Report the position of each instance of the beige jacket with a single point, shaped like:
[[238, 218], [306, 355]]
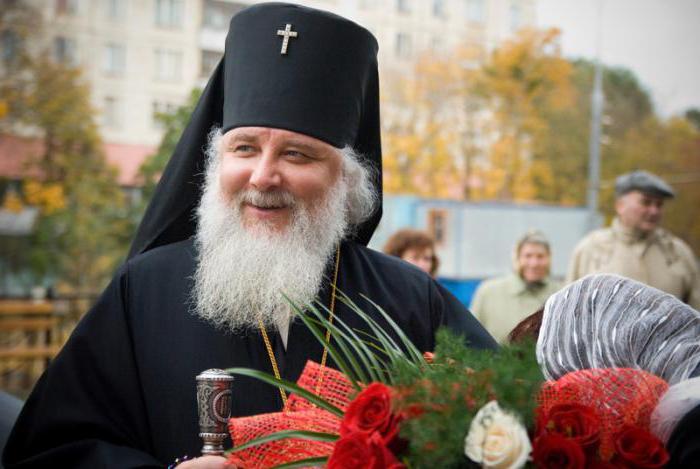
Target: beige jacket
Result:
[[501, 303], [660, 259]]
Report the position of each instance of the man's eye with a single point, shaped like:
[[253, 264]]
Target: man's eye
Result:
[[297, 154], [242, 148]]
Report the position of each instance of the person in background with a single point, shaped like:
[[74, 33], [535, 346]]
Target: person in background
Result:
[[501, 303], [416, 247], [635, 246]]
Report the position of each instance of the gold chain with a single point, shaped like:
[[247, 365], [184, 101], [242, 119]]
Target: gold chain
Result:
[[324, 357], [271, 354]]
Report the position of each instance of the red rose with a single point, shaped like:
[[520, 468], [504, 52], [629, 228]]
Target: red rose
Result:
[[597, 464], [371, 412], [575, 421], [636, 447], [362, 451], [557, 451]]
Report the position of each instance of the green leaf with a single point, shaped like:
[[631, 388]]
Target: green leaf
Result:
[[368, 359], [289, 386], [417, 355], [393, 353], [337, 358], [344, 344], [304, 463], [284, 434]]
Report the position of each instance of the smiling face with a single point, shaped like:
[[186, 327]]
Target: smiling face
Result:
[[421, 258], [533, 262], [268, 171]]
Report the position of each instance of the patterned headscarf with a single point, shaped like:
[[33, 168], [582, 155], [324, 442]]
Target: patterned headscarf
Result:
[[608, 321]]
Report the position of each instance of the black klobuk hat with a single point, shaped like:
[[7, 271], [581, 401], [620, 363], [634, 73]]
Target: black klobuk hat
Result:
[[285, 66]]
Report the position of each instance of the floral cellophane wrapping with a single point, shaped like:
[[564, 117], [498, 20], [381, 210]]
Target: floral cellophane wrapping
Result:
[[299, 414], [619, 397]]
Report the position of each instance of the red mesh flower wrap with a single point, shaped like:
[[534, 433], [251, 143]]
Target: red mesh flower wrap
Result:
[[595, 405], [299, 414]]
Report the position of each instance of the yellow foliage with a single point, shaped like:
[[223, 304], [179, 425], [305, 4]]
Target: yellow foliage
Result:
[[49, 197], [467, 121], [12, 202], [519, 81]]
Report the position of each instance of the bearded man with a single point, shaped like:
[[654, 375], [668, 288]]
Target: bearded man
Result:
[[283, 201]]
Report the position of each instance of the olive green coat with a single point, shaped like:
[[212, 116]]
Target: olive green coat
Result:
[[501, 303]]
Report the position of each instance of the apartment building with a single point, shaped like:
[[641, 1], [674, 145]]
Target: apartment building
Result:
[[142, 57]]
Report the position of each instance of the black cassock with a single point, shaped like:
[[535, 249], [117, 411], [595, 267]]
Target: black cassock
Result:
[[122, 391]]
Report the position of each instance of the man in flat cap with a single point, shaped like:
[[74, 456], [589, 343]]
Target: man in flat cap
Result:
[[635, 246], [282, 200]]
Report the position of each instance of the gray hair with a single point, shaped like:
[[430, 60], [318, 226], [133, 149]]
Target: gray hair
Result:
[[362, 198], [532, 237]]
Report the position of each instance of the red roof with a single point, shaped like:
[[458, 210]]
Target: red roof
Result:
[[16, 152], [15, 155], [127, 159]]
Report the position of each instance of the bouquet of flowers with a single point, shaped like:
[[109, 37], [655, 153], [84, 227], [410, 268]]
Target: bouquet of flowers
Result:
[[390, 406]]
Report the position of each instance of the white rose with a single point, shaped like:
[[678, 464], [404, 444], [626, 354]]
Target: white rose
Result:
[[497, 439]]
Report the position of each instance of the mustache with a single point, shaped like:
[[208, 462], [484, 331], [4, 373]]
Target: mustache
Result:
[[272, 199]]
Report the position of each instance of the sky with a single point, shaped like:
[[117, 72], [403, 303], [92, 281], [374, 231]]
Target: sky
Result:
[[659, 40]]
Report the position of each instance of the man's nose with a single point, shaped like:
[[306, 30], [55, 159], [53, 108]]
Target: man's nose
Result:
[[655, 210], [266, 174]]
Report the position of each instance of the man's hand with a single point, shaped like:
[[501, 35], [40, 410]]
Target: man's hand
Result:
[[205, 462]]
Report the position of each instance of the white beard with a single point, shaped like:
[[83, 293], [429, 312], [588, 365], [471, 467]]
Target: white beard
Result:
[[243, 272]]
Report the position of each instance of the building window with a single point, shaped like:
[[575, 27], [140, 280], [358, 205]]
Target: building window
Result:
[[111, 115], [158, 109], [66, 7], [169, 13], [439, 10], [114, 59], [168, 64], [9, 41], [64, 50], [214, 16], [476, 11], [403, 45], [403, 6], [115, 10], [516, 16], [437, 225], [209, 61]]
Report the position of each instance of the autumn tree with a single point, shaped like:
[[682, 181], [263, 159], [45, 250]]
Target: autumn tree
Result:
[[174, 124], [426, 119], [520, 81], [84, 225], [564, 146]]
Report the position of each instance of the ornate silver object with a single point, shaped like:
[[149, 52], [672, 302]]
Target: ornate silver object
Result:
[[214, 408]]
